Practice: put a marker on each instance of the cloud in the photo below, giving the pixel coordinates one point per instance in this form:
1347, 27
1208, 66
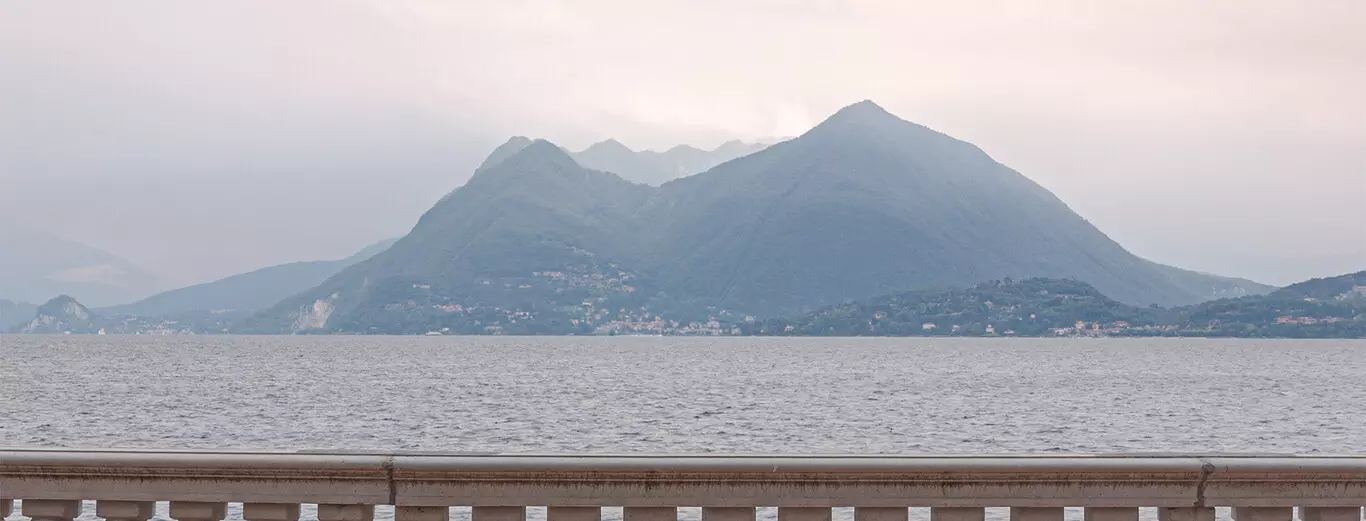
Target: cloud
205, 138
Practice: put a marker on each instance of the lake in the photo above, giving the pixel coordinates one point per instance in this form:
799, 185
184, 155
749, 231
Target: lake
642, 394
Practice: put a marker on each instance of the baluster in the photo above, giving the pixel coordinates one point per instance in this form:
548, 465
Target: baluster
1035, 514
573, 514
1111, 514
52, 509
727, 513
346, 512
422, 513
653, 514
1330, 513
270, 511
1263, 513
803, 514
958, 514
881, 513
198, 511
125, 510
1185, 514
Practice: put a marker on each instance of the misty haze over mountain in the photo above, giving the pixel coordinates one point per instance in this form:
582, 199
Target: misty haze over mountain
176, 143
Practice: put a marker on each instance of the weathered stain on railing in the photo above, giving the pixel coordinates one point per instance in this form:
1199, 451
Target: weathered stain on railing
271, 485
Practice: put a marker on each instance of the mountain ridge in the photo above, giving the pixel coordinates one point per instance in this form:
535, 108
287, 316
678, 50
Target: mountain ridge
862, 204
656, 168
14, 314
35, 265
244, 292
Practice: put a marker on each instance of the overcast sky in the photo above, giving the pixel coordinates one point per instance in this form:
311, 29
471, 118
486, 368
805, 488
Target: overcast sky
199, 139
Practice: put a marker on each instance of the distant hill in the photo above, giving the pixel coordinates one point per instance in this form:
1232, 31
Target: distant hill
864, 204
1344, 287
61, 315
1322, 308
656, 168
36, 266
1030, 307
245, 292
1333, 307
14, 314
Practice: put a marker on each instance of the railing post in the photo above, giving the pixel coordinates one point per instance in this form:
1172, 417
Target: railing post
270, 511
881, 513
1110, 514
1036, 514
959, 514
125, 510
198, 511
498, 514
1185, 514
653, 514
52, 509
803, 514
1330, 513
728, 513
346, 512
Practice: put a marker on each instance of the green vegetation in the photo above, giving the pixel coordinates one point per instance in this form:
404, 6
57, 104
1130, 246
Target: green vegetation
592, 298
1323, 308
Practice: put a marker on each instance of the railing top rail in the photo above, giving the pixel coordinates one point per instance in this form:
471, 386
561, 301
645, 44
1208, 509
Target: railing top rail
472, 479
702, 455
762, 463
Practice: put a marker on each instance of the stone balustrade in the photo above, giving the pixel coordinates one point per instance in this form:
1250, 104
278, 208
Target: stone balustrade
347, 486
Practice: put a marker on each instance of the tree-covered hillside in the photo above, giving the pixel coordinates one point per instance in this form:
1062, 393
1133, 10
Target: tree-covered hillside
1323, 308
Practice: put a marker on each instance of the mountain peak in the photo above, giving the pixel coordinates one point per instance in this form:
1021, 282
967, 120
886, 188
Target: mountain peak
683, 149
541, 152
608, 145
513, 145
862, 111
61, 300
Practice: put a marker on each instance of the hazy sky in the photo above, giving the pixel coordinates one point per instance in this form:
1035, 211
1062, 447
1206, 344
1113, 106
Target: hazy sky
202, 138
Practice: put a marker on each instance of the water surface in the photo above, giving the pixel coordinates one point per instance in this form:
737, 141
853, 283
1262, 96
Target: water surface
640, 394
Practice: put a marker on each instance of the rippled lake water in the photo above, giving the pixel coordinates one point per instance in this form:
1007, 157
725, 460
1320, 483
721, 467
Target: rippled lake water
637, 394
631, 394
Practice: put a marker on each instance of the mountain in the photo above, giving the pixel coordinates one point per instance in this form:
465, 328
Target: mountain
245, 292
655, 168
863, 204
1321, 308
533, 231
866, 203
34, 266
14, 314
62, 314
